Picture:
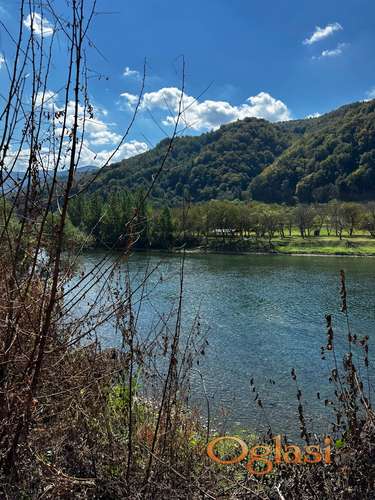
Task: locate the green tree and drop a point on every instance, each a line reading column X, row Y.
column 164, row 230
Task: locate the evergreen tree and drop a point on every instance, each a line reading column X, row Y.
column 165, row 228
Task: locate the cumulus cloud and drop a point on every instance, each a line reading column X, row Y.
column 88, row 156
column 97, row 131
column 46, row 99
column 40, row 26
column 322, row 33
column 98, row 159
column 370, row 94
column 100, row 134
column 130, row 100
column 210, row 114
column 132, row 73
column 100, row 139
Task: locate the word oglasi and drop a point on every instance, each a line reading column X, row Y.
column 290, row 454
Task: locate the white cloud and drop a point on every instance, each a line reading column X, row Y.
column 100, row 139
column 99, row 142
column 265, row 106
column 2, row 60
column 126, row 150
column 314, row 115
column 97, row 131
column 18, row 160
column 41, row 26
column 47, row 99
column 130, row 99
column 334, row 52
column 87, row 157
column 132, row 73
column 322, row 33
column 210, row 114
column 100, row 135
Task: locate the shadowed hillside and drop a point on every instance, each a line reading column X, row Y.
column 334, row 158
column 316, row 159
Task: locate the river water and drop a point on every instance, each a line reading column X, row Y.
column 262, row 316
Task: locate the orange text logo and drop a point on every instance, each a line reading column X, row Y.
column 261, row 457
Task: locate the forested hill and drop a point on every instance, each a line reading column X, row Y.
column 219, row 164
column 315, row 159
column 334, row 158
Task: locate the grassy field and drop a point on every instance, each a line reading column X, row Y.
column 325, row 246
column 358, row 244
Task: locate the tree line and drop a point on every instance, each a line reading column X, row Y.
column 123, row 218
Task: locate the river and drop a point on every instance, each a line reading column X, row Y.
column 262, row 316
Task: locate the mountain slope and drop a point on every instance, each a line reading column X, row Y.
column 315, row 159
column 219, row 164
column 334, row 159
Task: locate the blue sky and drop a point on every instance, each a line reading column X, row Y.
column 271, row 58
